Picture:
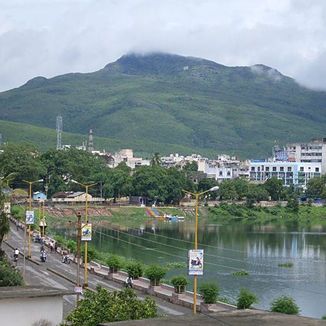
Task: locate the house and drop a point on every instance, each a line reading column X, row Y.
column 38, row 195
column 71, row 197
column 31, row 305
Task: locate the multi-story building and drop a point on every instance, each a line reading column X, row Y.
column 311, row 152
column 291, row 173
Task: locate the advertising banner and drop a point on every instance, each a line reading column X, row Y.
column 196, row 262
column 7, row 208
column 29, row 217
column 86, row 232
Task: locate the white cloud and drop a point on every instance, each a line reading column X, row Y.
column 51, row 37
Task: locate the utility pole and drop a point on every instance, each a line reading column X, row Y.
column 78, row 254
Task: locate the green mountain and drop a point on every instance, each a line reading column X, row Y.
column 162, row 102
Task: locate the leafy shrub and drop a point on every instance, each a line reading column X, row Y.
column 91, row 253
column 245, row 299
column 285, row 305
column 209, row 292
column 286, row 265
column 72, row 246
column 324, row 317
column 135, row 269
column 115, row 263
column 240, row 273
column 103, row 306
column 155, row 273
column 9, row 276
column 179, row 283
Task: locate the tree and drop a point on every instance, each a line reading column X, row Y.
column 228, row 190
column 68, row 164
column 206, row 184
column 274, row 187
column 190, row 167
column 241, row 187
column 103, row 306
column 24, row 161
column 316, row 187
column 156, row 159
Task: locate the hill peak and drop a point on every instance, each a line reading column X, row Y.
column 156, row 63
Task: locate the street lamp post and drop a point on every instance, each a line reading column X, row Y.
column 29, row 255
column 197, row 195
column 86, row 186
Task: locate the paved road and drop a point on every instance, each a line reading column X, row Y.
column 57, row 274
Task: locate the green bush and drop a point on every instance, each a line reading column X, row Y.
column 240, row 273
column 72, row 246
column 245, row 299
column 115, row 263
column 135, row 269
column 9, row 276
column 155, row 273
column 91, row 253
column 286, row 265
column 285, row 305
column 324, row 317
column 179, row 283
column 103, row 306
column 209, row 292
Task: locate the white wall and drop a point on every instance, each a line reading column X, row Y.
column 26, row 311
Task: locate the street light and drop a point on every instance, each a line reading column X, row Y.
column 30, row 208
column 197, row 195
column 86, row 186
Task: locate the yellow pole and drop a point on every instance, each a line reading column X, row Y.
column 196, row 246
column 29, row 226
column 86, row 242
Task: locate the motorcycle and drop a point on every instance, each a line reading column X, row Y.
column 66, row 260
column 43, row 257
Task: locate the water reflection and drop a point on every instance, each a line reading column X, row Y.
column 257, row 249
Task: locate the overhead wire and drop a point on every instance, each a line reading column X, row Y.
column 163, row 252
column 207, row 263
column 206, row 254
column 218, row 247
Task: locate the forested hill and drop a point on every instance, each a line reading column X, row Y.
column 174, row 102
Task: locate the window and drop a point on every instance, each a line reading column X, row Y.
column 301, row 169
column 316, row 169
column 220, row 173
column 229, row 173
column 289, row 169
column 274, row 168
column 267, row 168
column 282, row 168
column 252, row 168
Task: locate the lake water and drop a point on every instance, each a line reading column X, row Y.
column 230, row 248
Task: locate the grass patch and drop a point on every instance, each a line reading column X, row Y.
column 286, row 265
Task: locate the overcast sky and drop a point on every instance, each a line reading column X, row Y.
column 53, row 37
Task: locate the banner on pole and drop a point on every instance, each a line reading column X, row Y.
column 7, row 208
column 29, row 217
column 196, row 262
column 86, row 232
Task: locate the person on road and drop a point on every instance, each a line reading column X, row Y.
column 16, row 254
column 43, row 256
column 129, row 282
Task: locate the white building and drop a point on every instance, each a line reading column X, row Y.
column 311, row 152
column 291, row 173
column 31, row 305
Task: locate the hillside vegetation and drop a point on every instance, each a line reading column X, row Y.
column 166, row 103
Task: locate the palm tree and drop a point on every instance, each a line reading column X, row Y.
column 156, row 159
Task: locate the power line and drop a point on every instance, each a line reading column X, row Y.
column 163, row 252
column 206, row 254
column 206, row 263
column 222, row 248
